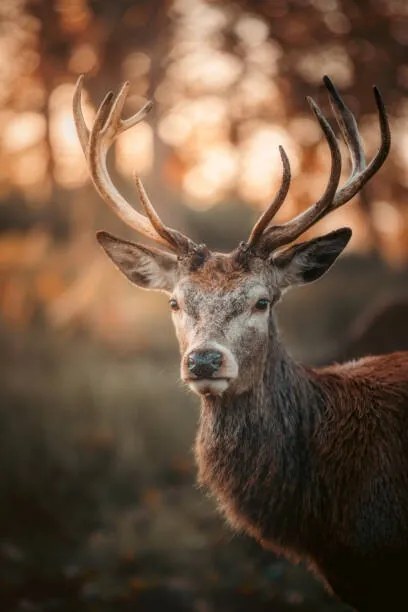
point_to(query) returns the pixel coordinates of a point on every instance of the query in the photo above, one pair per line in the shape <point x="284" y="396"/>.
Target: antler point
<point x="124" y="89"/>
<point x="315" y="108"/>
<point x="377" y="92"/>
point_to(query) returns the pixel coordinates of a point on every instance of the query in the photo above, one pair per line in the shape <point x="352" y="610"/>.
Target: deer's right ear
<point x="146" y="267"/>
<point x="306" y="262"/>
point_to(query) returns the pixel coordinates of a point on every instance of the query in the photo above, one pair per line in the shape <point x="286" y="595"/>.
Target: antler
<point x="95" y="144"/>
<point x="275" y="236"/>
<point x="270" y="212"/>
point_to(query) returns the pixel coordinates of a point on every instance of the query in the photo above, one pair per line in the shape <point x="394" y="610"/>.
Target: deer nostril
<point x="204" y="364"/>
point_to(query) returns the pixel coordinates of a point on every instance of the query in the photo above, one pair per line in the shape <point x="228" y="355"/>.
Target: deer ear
<point x="308" y="261"/>
<point x="146" y="267"/>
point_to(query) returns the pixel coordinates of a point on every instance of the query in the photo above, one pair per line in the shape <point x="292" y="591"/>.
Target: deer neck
<point x="258" y="441"/>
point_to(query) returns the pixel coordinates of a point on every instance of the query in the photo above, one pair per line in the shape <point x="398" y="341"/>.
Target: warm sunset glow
<point x="336" y="63"/>
<point x="134" y="150"/>
<point x="228" y="89"/>
<point x="175" y="128"/>
<point x="29" y="169"/>
<point x="23" y="131"/>
<point x="252" y="30"/>
<point x="265" y="57"/>
<point x="198" y="19"/>
<point x="260" y="168"/>
<point x="70" y="167"/>
<point x="135" y="65"/>
<point x="214" y="174"/>
<point x="83" y="59"/>
<point x="306" y="130"/>
<point x="256" y="93"/>
<point x="401" y="144"/>
<point x="75" y="15"/>
<point x="387" y="218"/>
<point x="206" y="71"/>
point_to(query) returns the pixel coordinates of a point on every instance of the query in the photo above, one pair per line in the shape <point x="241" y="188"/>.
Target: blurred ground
<point x="98" y="504"/>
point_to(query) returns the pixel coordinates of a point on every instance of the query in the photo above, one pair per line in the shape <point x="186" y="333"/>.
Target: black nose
<point x="204" y="363"/>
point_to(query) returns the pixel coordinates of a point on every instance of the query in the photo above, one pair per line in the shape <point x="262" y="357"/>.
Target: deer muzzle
<point x="209" y="370"/>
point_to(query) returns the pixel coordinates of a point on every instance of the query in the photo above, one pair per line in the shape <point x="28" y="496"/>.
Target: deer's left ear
<point x="146" y="267"/>
<point x="308" y="261"/>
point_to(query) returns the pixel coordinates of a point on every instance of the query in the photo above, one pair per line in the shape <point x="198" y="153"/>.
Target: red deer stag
<point x="313" y="463"/>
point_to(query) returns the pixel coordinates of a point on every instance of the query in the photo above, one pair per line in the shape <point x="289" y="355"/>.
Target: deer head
<point x="221" y="303"/>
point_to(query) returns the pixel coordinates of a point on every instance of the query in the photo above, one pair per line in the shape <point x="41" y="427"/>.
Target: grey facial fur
<point x="225" y="319"/>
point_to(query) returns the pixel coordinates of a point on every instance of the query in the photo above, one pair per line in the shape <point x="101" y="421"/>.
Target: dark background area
<point x="99" y="509"/>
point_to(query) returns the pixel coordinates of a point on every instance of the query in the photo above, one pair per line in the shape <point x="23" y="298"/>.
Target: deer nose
<point x="204" y="363"/>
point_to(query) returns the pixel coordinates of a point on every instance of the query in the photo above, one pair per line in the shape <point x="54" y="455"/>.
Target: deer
<point x="311" y="462"/>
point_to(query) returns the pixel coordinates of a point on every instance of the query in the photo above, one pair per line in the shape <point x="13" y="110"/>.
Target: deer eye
<point x="262" y="304"/>
<point x="174" y="304"/>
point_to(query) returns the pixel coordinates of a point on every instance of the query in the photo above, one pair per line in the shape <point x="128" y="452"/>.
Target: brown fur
<point x="319" y="472"/>
<point x="220" y="272"/>
<point x="311" y="462"/>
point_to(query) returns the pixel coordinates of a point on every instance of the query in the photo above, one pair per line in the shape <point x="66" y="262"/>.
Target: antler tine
<point x="81" y="127"/>
<point x="178" y="240"/>
<point x="96" y="143"/>
<point x="270" y="212"/>
<point x="115" y="124"/>
<point x="360" y="172"/>
<point x="278" y="235"/>
<point x="348" y="127"/>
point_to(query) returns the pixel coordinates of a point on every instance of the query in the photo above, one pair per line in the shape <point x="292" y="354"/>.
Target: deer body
<point x="304" y="464"/>
<point x="312" y="463"/>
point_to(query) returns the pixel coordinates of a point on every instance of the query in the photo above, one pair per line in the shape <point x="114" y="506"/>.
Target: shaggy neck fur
<point x="313" y="464"/>
<point x="254" y="451"/>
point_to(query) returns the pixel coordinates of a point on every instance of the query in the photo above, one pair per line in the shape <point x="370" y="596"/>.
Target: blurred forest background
<point x="98" y="507"/>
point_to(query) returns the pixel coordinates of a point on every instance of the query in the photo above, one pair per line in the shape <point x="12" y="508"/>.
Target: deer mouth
<point x="208" y="386"/>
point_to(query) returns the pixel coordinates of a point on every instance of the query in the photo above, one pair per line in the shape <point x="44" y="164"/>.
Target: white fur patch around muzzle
<point x="209" y="386"/>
